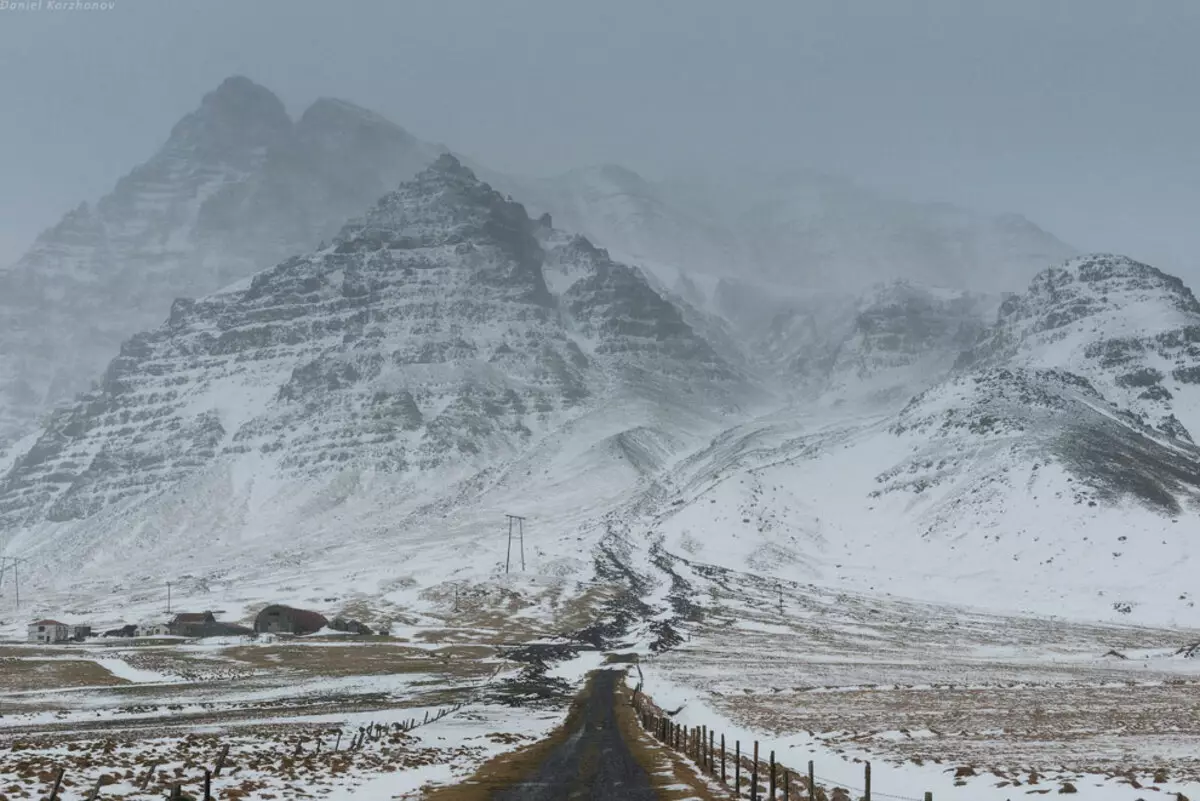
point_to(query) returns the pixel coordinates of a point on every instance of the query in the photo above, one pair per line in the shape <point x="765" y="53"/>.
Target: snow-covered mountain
<point x="1129" y="329"/>
<point x="448" y="358"/>
<point x="237" y="187"/>
<point x="422" y="348"/>
<point x="797" y="230"/>
<point x="1049" y="470"/>
<point x="876" y="348"/>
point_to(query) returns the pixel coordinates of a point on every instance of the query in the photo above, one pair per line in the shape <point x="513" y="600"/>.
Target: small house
<point x="48" y="631"/>
<point x="277" y="619"/>
<point x="193" y="624"/>
<point x="152" y="630"/>
<point x="80" y="633"/>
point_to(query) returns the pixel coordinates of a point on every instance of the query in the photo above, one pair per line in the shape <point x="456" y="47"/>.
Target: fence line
<point x="698" y="744"/>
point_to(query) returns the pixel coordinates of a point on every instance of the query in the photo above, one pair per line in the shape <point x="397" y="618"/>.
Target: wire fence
<point x="749" y="775"/>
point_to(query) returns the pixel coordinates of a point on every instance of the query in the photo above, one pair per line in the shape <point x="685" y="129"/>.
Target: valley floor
<point x="960" y="703"/>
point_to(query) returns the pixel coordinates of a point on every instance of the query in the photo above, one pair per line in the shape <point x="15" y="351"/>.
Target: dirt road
<point x="594" y="764"/>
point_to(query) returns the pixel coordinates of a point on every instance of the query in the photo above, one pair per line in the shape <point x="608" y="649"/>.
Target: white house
<point x="152" y="630"/>
<point x="49" y="631"/>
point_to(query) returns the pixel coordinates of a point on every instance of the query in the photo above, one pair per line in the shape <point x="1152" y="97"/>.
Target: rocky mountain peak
<point x="235" y="121"/>
<point x="1128" y="328"/>
<point x="446" y="205"/>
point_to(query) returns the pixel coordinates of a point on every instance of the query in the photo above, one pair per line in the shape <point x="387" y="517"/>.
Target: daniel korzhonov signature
<point x="57" y="5"/>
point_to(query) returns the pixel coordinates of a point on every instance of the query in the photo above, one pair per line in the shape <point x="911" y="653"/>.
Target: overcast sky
<point x="1084" y="116"/>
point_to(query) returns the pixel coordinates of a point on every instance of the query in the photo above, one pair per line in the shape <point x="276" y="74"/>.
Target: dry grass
<point x="45" y="674"/>
<point x="364" y="659"/>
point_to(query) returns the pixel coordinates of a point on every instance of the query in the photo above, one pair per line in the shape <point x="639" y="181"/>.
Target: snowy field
<point x="137" y="718"/>
<point x="962" y="703"/>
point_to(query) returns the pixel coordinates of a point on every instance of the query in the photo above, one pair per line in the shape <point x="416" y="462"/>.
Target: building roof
<point x="193" y="617"/>
<point x="306" y="618"/>
<point x="47" y="623"/>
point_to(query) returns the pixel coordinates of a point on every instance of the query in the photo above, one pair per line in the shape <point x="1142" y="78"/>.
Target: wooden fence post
<point x="928" y="795"/>
<point x="722" y="758"/>
<point x="754" y="774"/>
<point x="221" y="760"/>
<point x="737" y="768"/>
<point x="177" y="791"/>
<point x="812" y="782"/>
<point x="712" y="741"/>
<point x="867" y="781"/>
<point x="787" y="785"/>
<point x="95" y="793"/>
<point x="149" y="775"/>
<point x="58" y="777"/>
<point x="208" y="785"/>
<point x="771" y="781"/>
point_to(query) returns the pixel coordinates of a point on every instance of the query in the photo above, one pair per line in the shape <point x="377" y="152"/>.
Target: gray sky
<point x="1084" y="115"/>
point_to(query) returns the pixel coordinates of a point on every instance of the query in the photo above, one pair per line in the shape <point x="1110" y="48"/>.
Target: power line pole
<point x="168" y="597"/>
<point x="16" y="561"/>
<point x="520" y="521"/>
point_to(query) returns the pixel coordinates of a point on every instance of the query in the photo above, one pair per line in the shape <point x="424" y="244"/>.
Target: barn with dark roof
<point x="279" y="619"/>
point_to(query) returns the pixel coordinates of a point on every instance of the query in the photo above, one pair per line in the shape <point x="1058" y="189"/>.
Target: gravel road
<point x="594" y="764"/>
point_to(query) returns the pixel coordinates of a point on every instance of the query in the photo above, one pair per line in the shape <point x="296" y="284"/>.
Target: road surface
<point x="594" y="764"/>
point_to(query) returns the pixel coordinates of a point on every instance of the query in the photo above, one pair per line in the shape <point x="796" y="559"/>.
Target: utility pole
<point x="520" y="521"/>
<point x="15" y="562"/>
<point x="168" y="597"/>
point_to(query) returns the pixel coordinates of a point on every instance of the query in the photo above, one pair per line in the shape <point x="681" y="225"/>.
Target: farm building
<point x="49" y="631"/>
<point x="204" y="624"/>
<point x="193" y="624"/>
<point x="80" y="633"/>
<point x="350" y="626"/>
<point x="129" y="630"/>
<point x="278" y="619"/>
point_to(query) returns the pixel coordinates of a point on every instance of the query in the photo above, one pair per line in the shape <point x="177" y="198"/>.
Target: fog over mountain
<point x="1009" y="107"/>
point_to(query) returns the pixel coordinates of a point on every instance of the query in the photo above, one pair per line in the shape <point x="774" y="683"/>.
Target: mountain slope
<point x="1036" y="474"/>
<point x="416" y="357"/>
<point x="236" y="188"/>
